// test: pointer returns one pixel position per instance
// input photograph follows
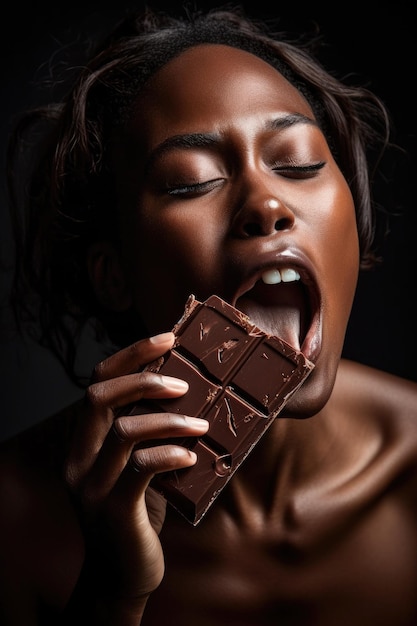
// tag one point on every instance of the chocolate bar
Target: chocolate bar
(239, 380)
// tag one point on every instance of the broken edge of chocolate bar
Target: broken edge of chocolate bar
(239, 379)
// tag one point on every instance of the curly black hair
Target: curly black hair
(69, 200)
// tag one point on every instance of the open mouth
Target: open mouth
(280, 303)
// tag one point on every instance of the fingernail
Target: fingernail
(197, 422)
(161, 338)
(176, 384)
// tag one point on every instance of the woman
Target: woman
(206, 157)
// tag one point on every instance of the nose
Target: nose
(262, 214)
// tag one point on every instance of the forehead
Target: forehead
(207, 84)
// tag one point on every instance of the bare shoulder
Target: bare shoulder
(378, 388)
(35, 456)
(381, 398)
(38, 525)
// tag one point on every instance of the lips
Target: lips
(281, 298)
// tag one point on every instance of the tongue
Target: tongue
(281, 320)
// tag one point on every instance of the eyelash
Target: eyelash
(196, 188)
(294, 171)
(305, 171)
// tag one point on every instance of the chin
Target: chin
(313, 396)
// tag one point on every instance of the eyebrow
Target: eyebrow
(206, 140)
(185, 141)
(286, 121)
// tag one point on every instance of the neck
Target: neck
(291, 455)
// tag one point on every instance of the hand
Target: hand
(109, 476)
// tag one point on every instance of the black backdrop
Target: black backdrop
(376, 48)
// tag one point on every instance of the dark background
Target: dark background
(374, 49)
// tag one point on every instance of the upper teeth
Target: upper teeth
(286, 275)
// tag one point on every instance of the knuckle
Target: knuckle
(134, 355)
(140, 462)
(148, 381)
(99, 372)
(135, 347)
(121, 428)
(94, 395)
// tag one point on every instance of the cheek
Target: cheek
(341, 253)
(342, 235)
(183, 241)
(334, 221)
(169, 256)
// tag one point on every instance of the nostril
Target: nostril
(253, 230)
(282, 224)
(257, 217)
(257, 229)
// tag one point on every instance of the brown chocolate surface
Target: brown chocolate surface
(239, 380)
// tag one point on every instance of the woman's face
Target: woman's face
(227, 186)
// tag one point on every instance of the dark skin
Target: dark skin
(319, 525)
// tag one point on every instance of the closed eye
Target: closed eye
(194, 189)
(298, 171)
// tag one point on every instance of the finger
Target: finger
(124, 436)
(127, 502)
(144, 463)
(133, 357)
(136, 429)
(150, 461)
(102, 401)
